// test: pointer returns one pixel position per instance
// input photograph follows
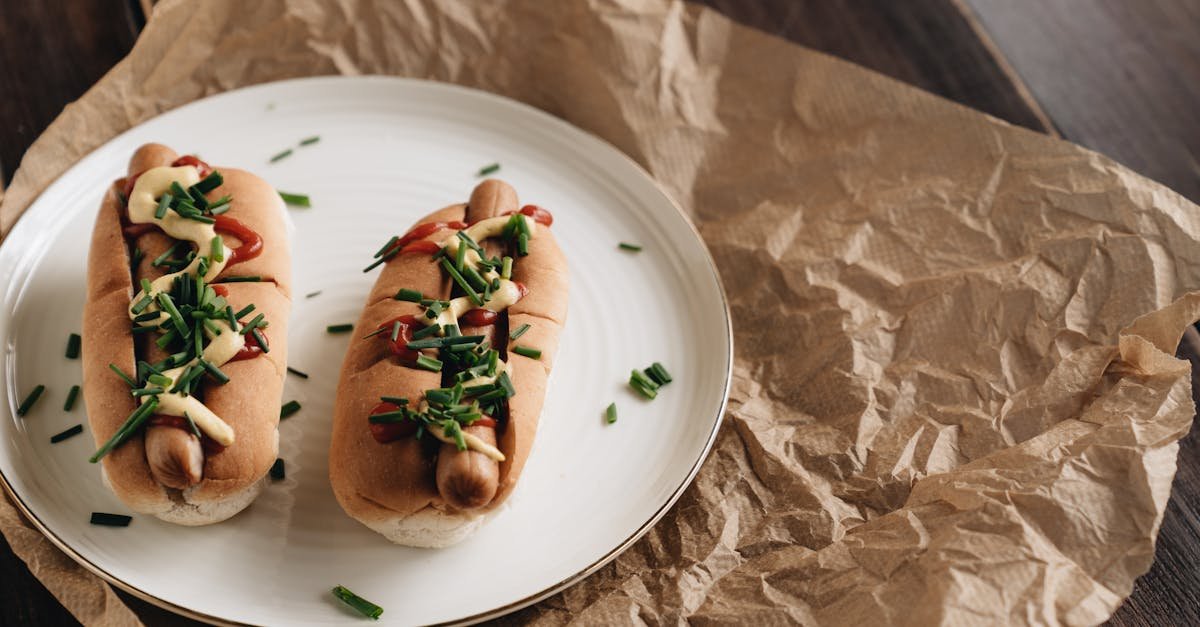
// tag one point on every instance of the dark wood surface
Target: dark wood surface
(1114, 75)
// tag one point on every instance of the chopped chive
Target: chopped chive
(159, 379)
(428, 363)
(200, 218)
(179, 192)
(59, 437)
(473, 277)
(506, 267)
(209, 183)
(378, 331)
(466, 239)
(643, 385)
(73, 346)
(151, 391)
(462, 282)
(610, 414)
(282, 155)
(220, 205)
(488, 169)
(164, 203)
(630, 247)
(460, 258)
(396, 330)
(124, 377)
(71, 396)
(523, 244)
(160, 260)
(250, 326)
(288, 409)
(505, 384)
(30, 400)
(339, 328)
(379, 253)
(168, 306)
(262, 341)
(214, 371)
(295, 200)
(313, 294)
(388, 417)
(297, 372)
(308, 141)
(142, 304)
(412, 296)
(361, 605)
(110, 520)
(218, 250)
(658, 374)
(526, 351)
(395, 400)
(231, 318)
(192, 425)
(134, 422)
(245, 311)
(242, 279)
(277, 471)
(136, 257)
(519, 331)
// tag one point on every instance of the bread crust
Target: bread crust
(249, 402)
(391, 487)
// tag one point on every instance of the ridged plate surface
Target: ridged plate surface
(391, 150)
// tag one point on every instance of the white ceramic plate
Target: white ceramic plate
(391, 150)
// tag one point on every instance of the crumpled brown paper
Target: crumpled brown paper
(950, 404)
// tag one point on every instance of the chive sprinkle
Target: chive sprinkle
(488, 169)
(277, 470)
(339, 328)
(288, 409)
(658, 374)
(73, 346)
(71, 396)
(630, 247)
(506, 267)
(363, 606)
(73, 431)
(29, 401)
(136, 419)
(313, 294)
(282, 155)
(164, 203)
(308, 141)
(297, 372)
(110, 520)
(610, 414)
(295, 200)
(242, 279)
(412, 296)
(428, 363)
(518, 332)
(643, 385)
(526, 351)
(124, 377)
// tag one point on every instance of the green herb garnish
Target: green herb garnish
(73, 346)
(295, 200)
(288, 409)
(71, 396)
(277, 471)
(488, 169)
(308, 141)
(30, 400)
(59, 437)
(610, 414)
(110, 520)
(339, 328)
(518, 332)
(297, 372)
(282, 155)
(630, 247)
(363, 606)
(526, 351)
(134, 422)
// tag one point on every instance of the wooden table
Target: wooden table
(1117, 76)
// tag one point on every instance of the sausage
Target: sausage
(468, 479)
(175, 456)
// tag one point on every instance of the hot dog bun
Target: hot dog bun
(392, 487)
(249, 402)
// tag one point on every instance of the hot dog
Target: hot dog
(182, 378)
(436, 413)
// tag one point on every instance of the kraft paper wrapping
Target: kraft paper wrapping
(955, 397)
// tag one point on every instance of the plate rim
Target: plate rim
(526, 601)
